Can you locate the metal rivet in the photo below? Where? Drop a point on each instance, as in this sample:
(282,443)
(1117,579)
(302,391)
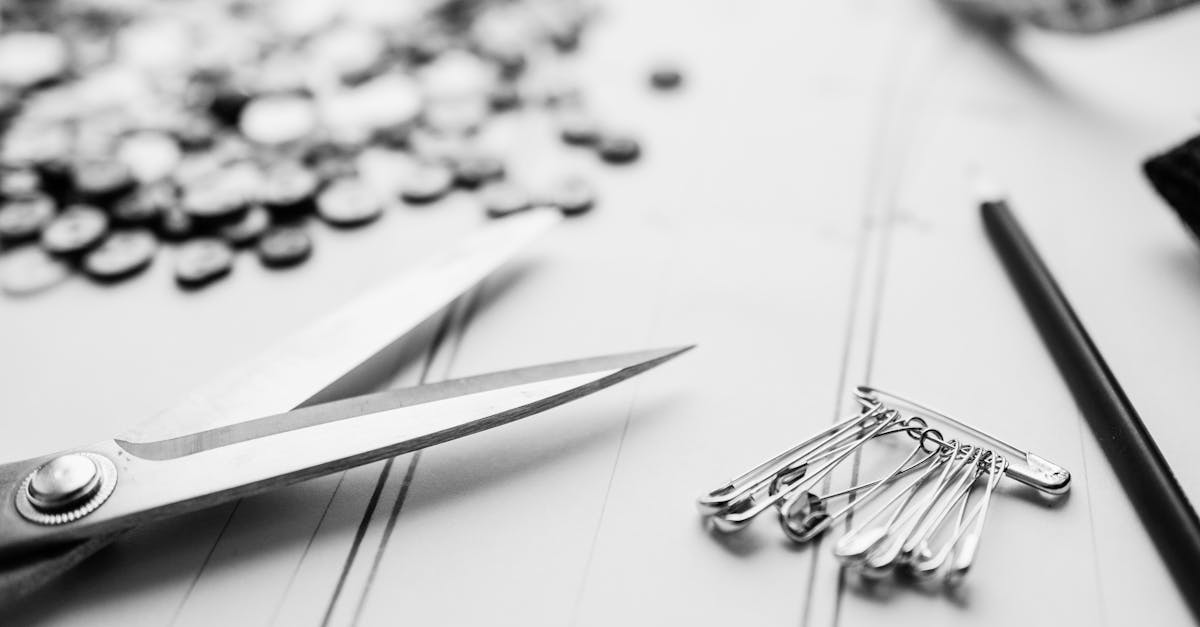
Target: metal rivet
(64,482)
(66,488)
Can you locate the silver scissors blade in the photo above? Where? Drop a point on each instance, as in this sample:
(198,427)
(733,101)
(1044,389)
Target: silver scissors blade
(310,365)
(292,372)
(184,473)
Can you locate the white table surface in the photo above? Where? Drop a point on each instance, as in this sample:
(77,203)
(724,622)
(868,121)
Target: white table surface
(803,213)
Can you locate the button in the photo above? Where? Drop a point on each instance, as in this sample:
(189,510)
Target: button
(426,184)
(212,202)
(277,120)
(74,231)
(505,97)
(458,74)
(64,482)
(503,199)
(195,132)
(618,149)
(463,116)
(348,202)
(121,255)
(572,196)
(101,181)
(666,77)
(18,182)
(144,206)
(247,230)
(30,270)
(24,218)
(202,261)
(29,58)
(174,225)
(227,104)
(578,128)
(388,104)
(289,191)
(473,170)
(283,247)
(150,156)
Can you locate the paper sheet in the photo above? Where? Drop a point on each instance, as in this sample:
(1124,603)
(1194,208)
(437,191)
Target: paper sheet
(803,214)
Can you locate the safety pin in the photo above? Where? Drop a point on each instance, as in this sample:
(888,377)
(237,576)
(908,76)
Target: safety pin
(965,474)
(858,544)
(925,563)
(813,524)
(910,529)
(969,545)
(738,519)
(1024,466)
(728,497)
(884,558)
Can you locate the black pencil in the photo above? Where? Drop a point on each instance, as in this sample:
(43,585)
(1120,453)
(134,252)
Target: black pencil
(1144,474)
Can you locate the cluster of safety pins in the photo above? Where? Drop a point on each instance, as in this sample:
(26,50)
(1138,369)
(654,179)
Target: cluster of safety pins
(922,519)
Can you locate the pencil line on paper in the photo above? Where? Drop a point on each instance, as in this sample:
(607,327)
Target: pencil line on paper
(449,339)
(901,114)
(387,534)
(207,557)
(361,532)
(667,264)
(373,503)
(304,554)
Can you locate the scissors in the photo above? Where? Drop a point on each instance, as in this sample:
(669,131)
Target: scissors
(279,419)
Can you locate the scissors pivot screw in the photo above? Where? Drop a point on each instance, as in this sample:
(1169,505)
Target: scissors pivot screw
(66,488)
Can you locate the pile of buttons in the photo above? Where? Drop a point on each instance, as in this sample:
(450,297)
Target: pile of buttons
(223,125)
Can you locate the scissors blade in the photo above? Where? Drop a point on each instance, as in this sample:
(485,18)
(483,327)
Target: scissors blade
(184,473)
(292,372)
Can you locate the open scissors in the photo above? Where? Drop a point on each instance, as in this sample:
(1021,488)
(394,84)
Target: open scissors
(279,419)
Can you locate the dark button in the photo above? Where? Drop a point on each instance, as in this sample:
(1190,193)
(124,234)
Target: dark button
(215,200)
(101,181)
(195,132)
(572,196)
(247,230)
(174,224)
(502,199)
(349,202)
(144,206)
(289,191)
(281,247)
(578,128)
(566,36)
(202,261)
(228,103)
(473,170)
(504,97)
(426,45)
(121,255)
(74,231)
(426,184)
(618,149)
(666,77)
(505,51)
(24,218)
(330,162)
